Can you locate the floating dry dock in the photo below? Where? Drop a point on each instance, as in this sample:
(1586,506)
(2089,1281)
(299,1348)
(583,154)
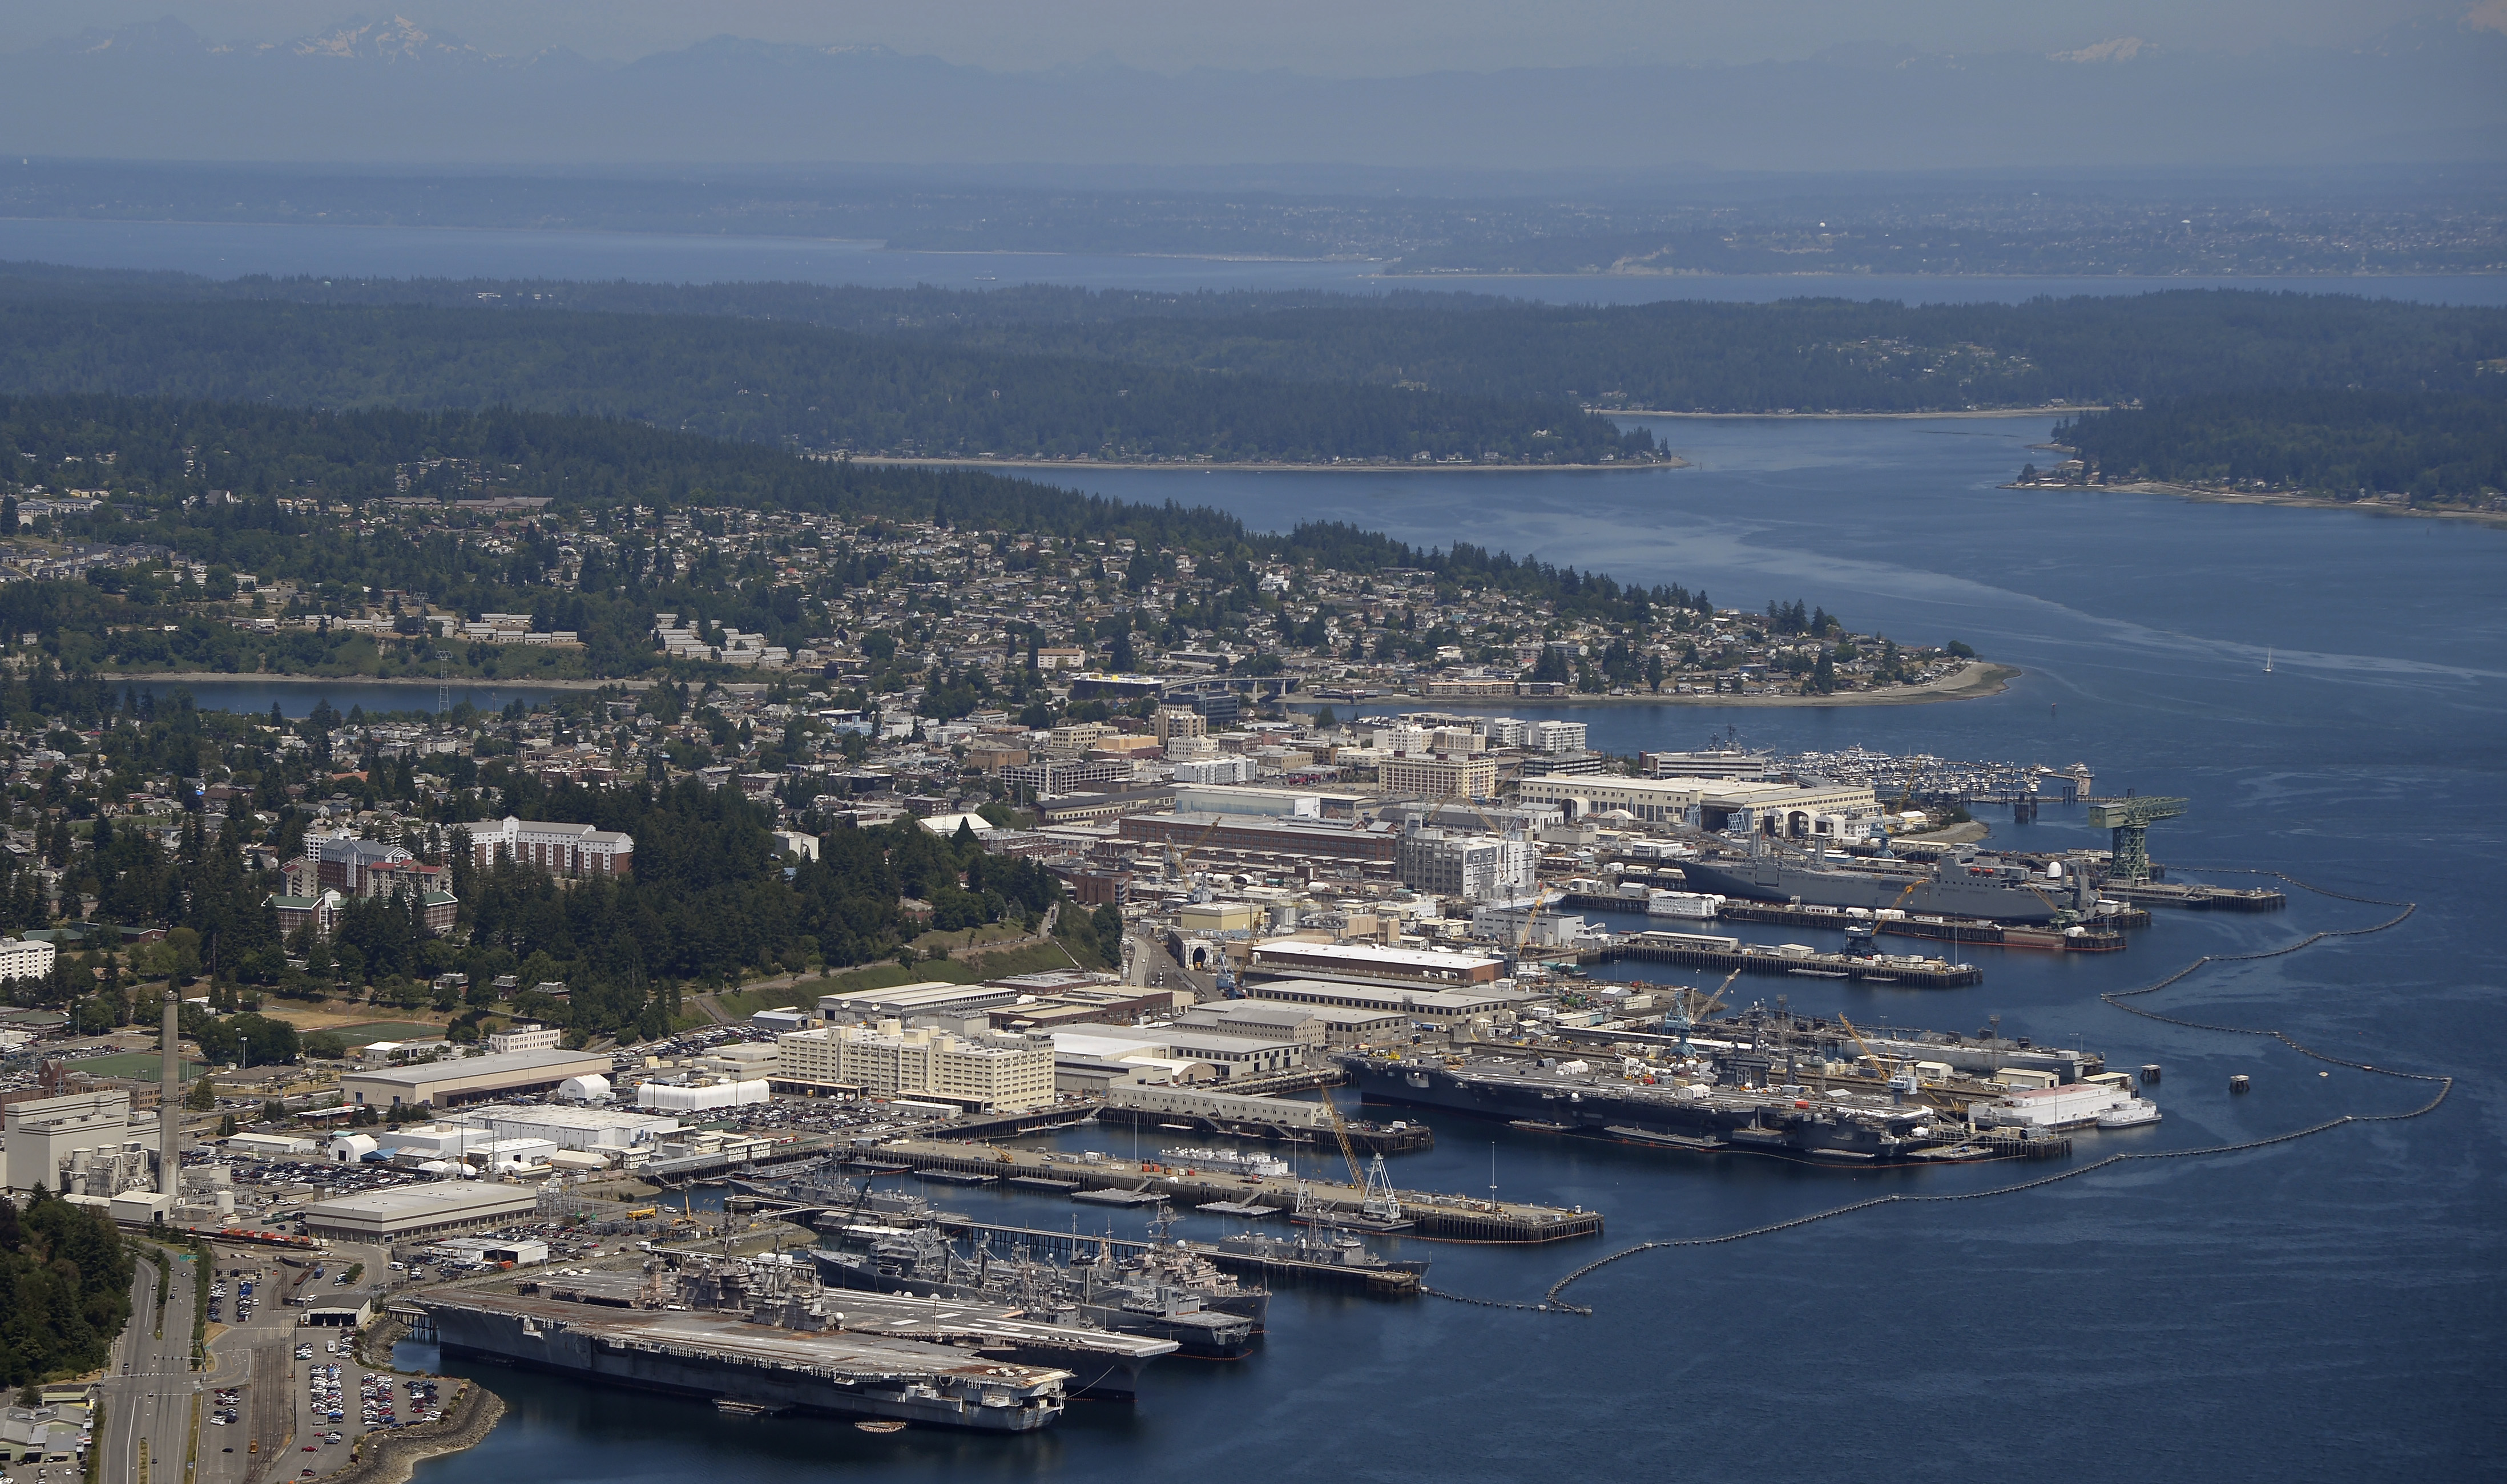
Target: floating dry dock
(733,1357)
(2198,897)
(1435,1215)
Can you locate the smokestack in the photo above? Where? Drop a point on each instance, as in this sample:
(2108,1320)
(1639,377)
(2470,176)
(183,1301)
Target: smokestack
(169,1105)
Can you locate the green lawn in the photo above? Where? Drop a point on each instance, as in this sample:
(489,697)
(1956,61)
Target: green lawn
(142,1064)
(381,1031)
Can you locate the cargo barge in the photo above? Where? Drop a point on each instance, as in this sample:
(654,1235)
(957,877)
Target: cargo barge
(795,1360)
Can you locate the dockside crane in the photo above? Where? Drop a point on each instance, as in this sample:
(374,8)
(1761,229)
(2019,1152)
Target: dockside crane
(2129,821)
(1691,1011)
(1376,1200)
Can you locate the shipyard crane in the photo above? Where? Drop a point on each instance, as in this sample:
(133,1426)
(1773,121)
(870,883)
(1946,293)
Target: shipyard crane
(2130,819)
(1376,1200)
(1684,1019)
(1877,1060)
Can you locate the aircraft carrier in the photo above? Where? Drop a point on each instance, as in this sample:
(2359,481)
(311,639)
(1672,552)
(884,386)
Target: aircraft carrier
(783,1354)
(1761,1084)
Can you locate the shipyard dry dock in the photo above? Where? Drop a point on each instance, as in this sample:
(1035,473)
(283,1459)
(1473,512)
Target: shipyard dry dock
(732,1358)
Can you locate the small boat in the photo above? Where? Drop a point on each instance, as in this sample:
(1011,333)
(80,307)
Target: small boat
(881,1425)
(1817,973)
(1537,1126)
(2129,1115)
(2268,661)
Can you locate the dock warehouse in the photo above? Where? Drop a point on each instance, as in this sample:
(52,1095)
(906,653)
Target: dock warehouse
(1774,808)
(1367,963)
(1441,1007)
(403,1211)
(469,1079)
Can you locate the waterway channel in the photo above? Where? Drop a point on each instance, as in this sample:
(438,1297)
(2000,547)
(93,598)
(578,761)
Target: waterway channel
(2327,1309)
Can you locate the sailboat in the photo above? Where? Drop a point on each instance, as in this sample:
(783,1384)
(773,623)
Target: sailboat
(2268,661)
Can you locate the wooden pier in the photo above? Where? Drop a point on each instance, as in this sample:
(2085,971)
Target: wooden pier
(1448,1217)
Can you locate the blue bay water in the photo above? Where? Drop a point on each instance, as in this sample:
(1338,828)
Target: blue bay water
(2324,1310)
(224,250)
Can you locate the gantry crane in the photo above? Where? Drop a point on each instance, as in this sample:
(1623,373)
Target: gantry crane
(2131,819)
(1376,1202)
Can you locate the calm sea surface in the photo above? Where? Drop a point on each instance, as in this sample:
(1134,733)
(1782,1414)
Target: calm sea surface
(2329,1308)
(219,251)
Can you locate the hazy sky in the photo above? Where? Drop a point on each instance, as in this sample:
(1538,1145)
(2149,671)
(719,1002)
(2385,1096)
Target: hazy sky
(1334,37)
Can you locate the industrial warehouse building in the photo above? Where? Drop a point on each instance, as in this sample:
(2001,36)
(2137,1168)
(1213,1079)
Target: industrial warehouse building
(1441,1007)
(1801,811)
(1367,963)
(403,1211)
(469,1079)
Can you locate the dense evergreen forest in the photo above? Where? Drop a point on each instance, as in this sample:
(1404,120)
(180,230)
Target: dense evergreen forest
(800,384)
(2434,448)
(64,1290)
(165,456)
(1808,354)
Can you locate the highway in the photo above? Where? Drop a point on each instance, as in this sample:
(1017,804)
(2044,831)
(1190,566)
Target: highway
(147,1429)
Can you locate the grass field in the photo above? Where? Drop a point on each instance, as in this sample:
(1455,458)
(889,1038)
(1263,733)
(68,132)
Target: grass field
(133,1063)
(363,1032)
(1034,959)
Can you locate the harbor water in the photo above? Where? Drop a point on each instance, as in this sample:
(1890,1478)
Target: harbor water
(2325,1309)
(235,250)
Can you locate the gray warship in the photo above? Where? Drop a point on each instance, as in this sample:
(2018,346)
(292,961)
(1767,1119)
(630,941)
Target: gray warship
(1963,883)
(921,1260)
(656,1332)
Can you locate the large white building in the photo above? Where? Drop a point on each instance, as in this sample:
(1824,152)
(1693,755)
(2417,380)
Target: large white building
(889,1060)
(1555,737)
(559,849)
(1801,810)
(1238,769)
(1438,778)
(26,959)
(1477,868)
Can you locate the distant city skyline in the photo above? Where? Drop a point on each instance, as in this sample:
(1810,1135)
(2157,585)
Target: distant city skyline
(1391,38)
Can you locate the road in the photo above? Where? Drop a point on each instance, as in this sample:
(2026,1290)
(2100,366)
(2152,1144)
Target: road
(275,1419)
(148,1395)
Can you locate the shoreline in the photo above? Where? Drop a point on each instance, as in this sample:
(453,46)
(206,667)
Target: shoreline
(412,682)
(2202,495)
(1974,680)
(1994,412)
(888,461)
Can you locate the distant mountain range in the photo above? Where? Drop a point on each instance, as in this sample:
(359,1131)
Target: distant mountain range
(393,91)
